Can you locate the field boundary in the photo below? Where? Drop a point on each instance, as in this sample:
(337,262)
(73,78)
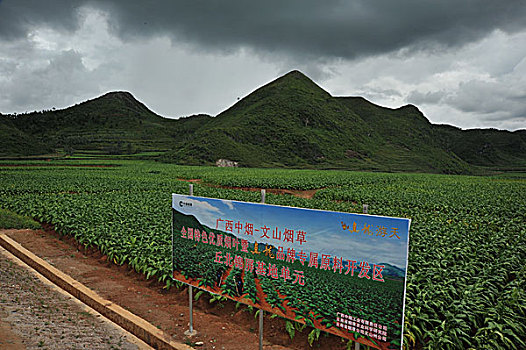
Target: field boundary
(307,194)
(127,320)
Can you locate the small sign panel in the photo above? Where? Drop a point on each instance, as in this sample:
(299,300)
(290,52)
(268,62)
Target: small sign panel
(342,273)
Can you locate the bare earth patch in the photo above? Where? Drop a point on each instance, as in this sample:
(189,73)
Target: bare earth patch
(296,193)
(308,194)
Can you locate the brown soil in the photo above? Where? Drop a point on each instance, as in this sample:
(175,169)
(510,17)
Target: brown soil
(9,340)
(220,325)
(308,194)
(197,181)
(296,193)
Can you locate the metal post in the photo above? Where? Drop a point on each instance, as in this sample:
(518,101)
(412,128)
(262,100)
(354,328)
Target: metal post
(191,332)
(191,303)
(172,230)
(365,207)
(261,310)
(261,329)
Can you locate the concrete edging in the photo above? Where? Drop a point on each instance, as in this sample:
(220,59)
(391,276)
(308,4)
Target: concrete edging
(130,322)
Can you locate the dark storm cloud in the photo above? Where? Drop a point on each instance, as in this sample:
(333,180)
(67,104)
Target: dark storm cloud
(345,29)
(20,16)
(464,62)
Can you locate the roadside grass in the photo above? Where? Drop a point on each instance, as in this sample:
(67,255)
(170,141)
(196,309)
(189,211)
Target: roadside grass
(10,220)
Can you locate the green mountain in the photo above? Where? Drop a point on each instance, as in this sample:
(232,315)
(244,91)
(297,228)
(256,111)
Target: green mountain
(114,123)
(408,140)
(408,128)
(16,142)
(293,122)
(289,122)
(485,147)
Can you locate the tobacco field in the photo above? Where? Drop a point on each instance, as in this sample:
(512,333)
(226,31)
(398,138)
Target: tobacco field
(466,278)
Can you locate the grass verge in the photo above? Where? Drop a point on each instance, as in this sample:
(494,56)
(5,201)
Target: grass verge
(10,220)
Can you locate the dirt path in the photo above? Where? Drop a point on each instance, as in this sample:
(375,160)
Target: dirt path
(35,315)
(9,339)
(296,193)
(308,194)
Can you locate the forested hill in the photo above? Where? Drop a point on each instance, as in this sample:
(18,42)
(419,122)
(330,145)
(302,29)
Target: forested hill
(292,122)
(289,122)
(115,123)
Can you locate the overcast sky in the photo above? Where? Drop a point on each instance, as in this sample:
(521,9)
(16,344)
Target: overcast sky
(461,62)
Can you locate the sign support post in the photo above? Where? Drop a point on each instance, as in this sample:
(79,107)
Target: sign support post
(190,332)
(261,329)
(365,210)
(261,310)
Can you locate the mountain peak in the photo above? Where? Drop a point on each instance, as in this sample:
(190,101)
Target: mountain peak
(296,73)
(293,86)
(296,82)
(117,100)
(119,95)
(297,76)
(410,107)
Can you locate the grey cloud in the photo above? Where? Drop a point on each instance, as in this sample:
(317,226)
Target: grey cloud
(517,117)
(489,97)
(490,101)
(417,97)
(478,96)
(316,70)
(310,28)
(375,93)
(62,82)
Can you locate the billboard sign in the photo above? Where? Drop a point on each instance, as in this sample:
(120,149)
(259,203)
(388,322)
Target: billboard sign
(340,272)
